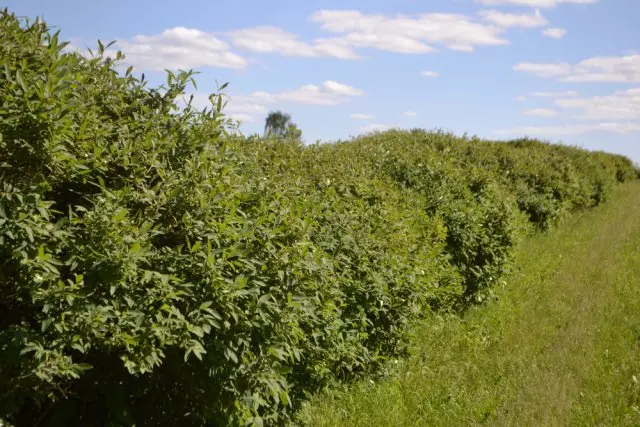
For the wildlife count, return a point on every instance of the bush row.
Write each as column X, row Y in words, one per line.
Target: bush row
column 157, row 270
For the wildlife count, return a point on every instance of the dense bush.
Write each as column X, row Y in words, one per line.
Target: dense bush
column 156, row 270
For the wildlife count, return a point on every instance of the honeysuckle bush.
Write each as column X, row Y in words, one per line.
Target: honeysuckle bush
column 156, row 268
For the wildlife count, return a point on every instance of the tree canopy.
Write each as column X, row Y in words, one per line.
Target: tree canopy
column 276, row 123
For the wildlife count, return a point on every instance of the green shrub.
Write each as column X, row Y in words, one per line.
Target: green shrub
column 157, row 269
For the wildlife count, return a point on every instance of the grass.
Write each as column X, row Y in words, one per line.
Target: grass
column 560, row 345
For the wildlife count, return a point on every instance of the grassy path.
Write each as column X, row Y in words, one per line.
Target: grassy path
column 561, row 346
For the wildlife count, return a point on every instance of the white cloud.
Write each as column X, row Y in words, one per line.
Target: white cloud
column 244, row 108
column 461, row 47
column 621, row 105
column 613, row 69
column 336, row 48
column 410, row 114
column 341, row 89
column 618, row 112
column 360, row 116
column 607, row 69
column 605, row 109
column 178, row 48
column 247, row 107
column 277, row 40
column 242, row 117
column 571, row 129
column 533, row 3
column 508, row 20
column 544, row 70
column 429, row 74
column 554, row 33
column 330, row 93
column 408, row 34
column 390, row 42
column 569, row 93
column 374, row 127
column 540, row 112
column 566, row 94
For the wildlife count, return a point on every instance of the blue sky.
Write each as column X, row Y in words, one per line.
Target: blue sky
column 562, row 70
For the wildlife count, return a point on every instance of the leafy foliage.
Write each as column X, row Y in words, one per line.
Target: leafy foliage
column 157, row 269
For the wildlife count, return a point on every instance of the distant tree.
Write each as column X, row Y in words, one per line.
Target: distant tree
column 277, row 123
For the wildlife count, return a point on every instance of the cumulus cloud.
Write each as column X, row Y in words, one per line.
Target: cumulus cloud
column 388, row 42
column 566, row 94
column 329, row 93
column 352, row 30
column 508, row 20
column 571, row 129
column 244, row 108
column 618, row 112
column 540, row 112
column 429, row 74
column 247, row 107
column 613, row 69
column 544, row 70
column 408, row 34
column 534, row 3
column 246, row 118
column 341, row 89
column 554, row 33
column 607, row 69
column 360, row 116
column 621, row 105
column 277, row 40
column 179, row 48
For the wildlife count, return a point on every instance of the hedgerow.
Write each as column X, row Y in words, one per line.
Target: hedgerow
column 158, row 269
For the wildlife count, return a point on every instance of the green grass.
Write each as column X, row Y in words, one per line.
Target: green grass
column 559, row 346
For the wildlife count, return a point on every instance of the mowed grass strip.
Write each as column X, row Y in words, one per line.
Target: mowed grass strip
column 560, row 346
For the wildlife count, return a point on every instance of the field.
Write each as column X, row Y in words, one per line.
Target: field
column 559, row 346
column 158, row 268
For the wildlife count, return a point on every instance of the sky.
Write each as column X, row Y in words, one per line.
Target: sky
column 561, row 70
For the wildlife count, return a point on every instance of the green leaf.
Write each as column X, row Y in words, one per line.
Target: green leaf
column 135, row 248
column 264, row 299
column 196, row 246
column 29, row 232
column 82, row 367
column 120, row 215
column 197, row 331
column 231, row 355
column 20, row 81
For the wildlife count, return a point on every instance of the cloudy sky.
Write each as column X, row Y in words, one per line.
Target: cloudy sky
column 563, row 70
